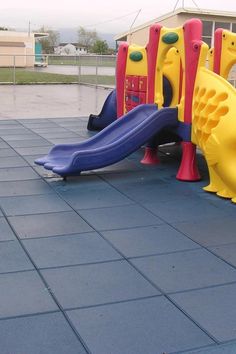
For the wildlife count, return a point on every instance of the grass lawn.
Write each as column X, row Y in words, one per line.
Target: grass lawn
column 30, row 77
column 83, row 61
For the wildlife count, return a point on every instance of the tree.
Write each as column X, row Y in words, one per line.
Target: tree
column 100, row 47
column 87, row 38
column 4, row 29
column 48, row 43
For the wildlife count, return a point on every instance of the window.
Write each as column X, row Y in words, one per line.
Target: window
column 234, row 27
column 225, row 25
column 232, row 75
column 207, row 32
column 207, row 40
column 207, row 28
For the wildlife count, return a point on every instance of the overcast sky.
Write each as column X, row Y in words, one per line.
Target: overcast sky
column 103, row 15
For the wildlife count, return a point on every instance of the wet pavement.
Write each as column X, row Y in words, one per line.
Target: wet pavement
column 50, row 101
column 121, row 260
column 75, row 70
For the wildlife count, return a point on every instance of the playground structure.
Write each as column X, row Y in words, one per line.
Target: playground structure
column 165, row 93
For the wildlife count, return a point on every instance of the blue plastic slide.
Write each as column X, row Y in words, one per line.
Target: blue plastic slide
column 107, row 115
column 113, row 143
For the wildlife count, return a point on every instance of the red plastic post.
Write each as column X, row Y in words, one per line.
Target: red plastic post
column 188, row 170
column 217, row 50
column 150, row 156
column 120, row 77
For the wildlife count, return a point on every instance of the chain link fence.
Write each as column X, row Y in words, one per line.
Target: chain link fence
column 40, row 69
column 62, row 69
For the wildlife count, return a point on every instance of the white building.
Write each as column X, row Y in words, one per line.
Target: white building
column 70, row 49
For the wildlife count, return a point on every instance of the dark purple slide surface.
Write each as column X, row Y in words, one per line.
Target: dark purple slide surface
column 113, row 143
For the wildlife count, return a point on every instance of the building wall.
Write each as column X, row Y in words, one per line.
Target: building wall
column 20, row 45
column 140, row 36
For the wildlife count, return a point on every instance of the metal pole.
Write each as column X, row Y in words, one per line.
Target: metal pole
column 14, row 70
column 79, row 69
column 96, row 71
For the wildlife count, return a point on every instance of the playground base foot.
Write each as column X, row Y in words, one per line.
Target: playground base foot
column 150, row 156
column 188, row 170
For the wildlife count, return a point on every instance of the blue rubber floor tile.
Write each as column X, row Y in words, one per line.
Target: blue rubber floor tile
column 24, row 293
column 31, row 159
column 149, row 240
column 73, row 140
column 97, row 196
column 34, row 204
column 13, row 137
column 51, row 134
column 30, row 187
column 216, row 349
column 15, row 131
column 13, row 258
column 210, row 232
column 17, row 174
column 129, row 178
column 41, row 334
column 70, row 250
column 38, row 123
column 213, row 308
column 186, row 209
column 7, row 153
column 6, row 233
column 119, row 217
column 25, row 151
column 145, row 326
column 8, row 123
column 43, row 129
column 29, row 143
column 95, row 284
column 77, row 184
column 121, row 166
column 186, row 270
column 226, row 252
column 54, row 224
column 12, row 161
column 3, row 145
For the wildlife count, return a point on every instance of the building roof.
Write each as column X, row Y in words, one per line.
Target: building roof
column 22, row 34
column 74, row 44
column 192, row 11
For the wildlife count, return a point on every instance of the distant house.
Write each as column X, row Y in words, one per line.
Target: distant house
column 19, row 48
column 70, row 49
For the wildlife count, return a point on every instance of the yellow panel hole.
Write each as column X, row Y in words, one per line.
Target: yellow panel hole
column 195, row 117
column 211, row 125
column 222, row 111
column 210, row 94
column 195, row 105
column 202, row 92
column 200, row 107
column 205, row 136
column 202, row 122
column 210, row 108
column 196, row 90
column 222, row 97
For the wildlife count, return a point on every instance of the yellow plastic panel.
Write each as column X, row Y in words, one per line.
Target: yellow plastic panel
column 214, row 130
column 136, row 67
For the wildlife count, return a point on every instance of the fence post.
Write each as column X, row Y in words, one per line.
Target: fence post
column 14, row 70
column 79, row 68
column 96, row 70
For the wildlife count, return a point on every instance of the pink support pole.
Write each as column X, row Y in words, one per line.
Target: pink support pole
column 188, row 170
